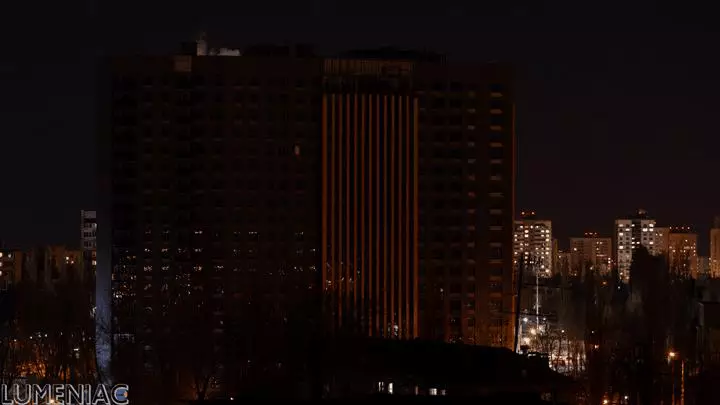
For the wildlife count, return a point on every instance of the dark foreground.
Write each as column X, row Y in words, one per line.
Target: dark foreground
column 500, row 399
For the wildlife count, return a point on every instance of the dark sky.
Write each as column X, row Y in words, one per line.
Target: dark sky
column 617, row 105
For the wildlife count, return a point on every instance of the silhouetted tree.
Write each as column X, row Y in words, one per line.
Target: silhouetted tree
column 55, row 332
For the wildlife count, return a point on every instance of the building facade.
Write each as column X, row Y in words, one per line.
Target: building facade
column 213, row 168
column 47, row 266
column 88, row 240
column 7, row 269
column 662, row 240
column 383, row 180
column 631, row 233
column 532, row 244
column 715, row 249
column 682, row 252
column 591, row 252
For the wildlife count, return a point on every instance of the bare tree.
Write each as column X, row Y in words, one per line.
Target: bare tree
column 55, row 333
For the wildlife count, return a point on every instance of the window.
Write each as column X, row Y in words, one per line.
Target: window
column 496, row 220
column 496, row 253
column 496, row 153
column 497, row 119
column 497, row 88
column 496, row 136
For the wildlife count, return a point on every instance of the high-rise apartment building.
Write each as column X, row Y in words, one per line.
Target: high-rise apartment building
column 212, row 192
column 370, row 198
column 561, row 261
column 47, row 266
column 532, row 244
column 88, row 230
column 7, row 269
column 682, row 253
column 591, row 252
column 703, row 267
column 88, row 240
column 631, row 233
column 715, row 249
column 385, row 178
column 662, row 240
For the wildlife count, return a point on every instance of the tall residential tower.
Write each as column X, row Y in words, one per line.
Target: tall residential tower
column 383, row 178
column 533, row 244
column 631, row 233
column 682, row 252
column 591, row 252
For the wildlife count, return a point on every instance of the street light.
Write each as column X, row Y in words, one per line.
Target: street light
column 672, row 355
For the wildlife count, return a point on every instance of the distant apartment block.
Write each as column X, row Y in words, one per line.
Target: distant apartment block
column 561, row 261
column 45, row 266
column 7, row 269
column 88, row 241
column 631, row 233
column 532, row 244
column 591, row 252
column 703, row 266
column 662, row 240
column 88, row 229
column 682, row 253
column 715, row 249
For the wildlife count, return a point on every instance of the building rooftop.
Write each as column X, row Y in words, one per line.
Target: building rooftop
column 392, row 53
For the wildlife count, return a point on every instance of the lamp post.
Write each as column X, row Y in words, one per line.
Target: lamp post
column 672, row 355
column 671, row 358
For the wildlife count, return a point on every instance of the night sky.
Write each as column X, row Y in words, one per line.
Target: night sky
column 617, row 106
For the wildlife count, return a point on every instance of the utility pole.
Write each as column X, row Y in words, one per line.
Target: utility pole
column 521, row 269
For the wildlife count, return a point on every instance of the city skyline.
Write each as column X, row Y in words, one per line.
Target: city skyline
column 266, row 215
column 567, row 102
